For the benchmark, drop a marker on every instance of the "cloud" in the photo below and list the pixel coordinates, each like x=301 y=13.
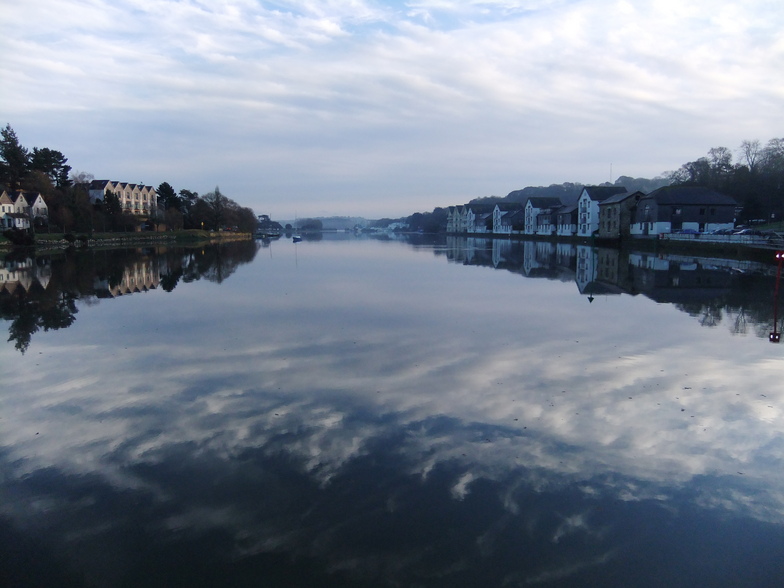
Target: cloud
x=369 y=106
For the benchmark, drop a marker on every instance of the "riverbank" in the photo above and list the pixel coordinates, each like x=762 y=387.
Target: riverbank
x=130 y=239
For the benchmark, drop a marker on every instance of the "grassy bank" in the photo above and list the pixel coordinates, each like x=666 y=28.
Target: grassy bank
x=193 y=236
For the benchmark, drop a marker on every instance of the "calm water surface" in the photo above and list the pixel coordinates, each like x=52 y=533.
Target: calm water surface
x=357 y=412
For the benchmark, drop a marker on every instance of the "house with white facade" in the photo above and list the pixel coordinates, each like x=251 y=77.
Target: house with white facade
x=452 y=219
x=534 y=206
x=588 y=207
x=6 y=204
x=504 y=217
x=19 y=210
x=36 y=207
x=467 y=219
x=566 y=221
x=135 y=199
x=546 y=222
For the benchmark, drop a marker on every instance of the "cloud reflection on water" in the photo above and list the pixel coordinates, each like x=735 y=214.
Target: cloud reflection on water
x=532 y=393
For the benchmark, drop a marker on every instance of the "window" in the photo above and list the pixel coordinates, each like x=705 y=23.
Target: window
x=702 y=211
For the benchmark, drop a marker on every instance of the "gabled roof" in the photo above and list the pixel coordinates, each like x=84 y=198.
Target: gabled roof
x=545 y=201
x=481 y=208
x=690 y=195
x=31 y=197
x=27 y=197
x=602 y=193
x=567 y=209
x=615 y=199
x=508 y=206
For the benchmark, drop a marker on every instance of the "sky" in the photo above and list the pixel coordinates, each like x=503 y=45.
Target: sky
x=385 y=108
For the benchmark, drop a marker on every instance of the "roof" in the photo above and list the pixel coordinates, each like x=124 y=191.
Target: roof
x=690 y=195
x=615 y=199
x=508 y=206
x=602 y=193
x=567 y=209
x=31 y=197
x=28 y=197
x=545 y=201
x=480 y=208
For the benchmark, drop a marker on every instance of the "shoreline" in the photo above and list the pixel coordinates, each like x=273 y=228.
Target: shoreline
x=50 y=241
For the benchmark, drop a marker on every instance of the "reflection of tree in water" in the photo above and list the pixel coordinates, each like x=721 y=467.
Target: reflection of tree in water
x=31 y=311
x=215 y=263
x=93 y=274
x=711 y=315
x=749 y=301
x=740 y=325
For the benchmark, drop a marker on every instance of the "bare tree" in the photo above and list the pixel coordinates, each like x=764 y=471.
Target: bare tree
x=750 y=152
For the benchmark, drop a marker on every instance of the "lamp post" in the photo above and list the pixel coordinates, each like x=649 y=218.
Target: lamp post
x=775 y=335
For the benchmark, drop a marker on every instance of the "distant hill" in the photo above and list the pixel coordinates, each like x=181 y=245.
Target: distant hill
x=569 y=192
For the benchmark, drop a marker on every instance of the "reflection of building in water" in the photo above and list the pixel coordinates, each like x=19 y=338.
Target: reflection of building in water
x=648 y=261
x=591 y=266
x=24 y=273
x=678 y=281
x=138 y=276
x=585 y=271
x=612 y=268
x=540 y=260
x=502 y=249
x=565 y=254
x=468 y=250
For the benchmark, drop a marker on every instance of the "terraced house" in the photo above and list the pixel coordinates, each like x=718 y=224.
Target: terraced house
x=134 y=198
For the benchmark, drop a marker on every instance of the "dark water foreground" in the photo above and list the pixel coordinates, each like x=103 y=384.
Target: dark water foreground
x=352 y=412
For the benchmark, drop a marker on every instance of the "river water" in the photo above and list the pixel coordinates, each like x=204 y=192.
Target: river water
x=411 y=411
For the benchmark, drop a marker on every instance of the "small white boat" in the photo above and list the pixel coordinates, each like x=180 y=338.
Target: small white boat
x=297 y=238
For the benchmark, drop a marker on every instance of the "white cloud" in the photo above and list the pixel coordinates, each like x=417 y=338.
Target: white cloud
x=442 y=101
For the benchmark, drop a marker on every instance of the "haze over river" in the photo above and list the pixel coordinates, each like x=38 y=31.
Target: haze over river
x=406 y=412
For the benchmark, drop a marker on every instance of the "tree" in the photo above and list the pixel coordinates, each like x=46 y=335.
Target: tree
x=187 y=200
x=14 y=159
x=53 y=164
x=750 y=151
x=80 y=178
x=167 y=197
x=217 y=205
x=200 y=215
x=246 y=220
x=311 y=224
x=173 y=219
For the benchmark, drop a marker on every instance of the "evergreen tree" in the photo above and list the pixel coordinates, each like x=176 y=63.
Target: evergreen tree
x=14 y=159
x=53 y=164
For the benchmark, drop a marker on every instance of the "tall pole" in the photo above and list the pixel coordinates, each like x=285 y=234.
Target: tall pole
x=775 y=336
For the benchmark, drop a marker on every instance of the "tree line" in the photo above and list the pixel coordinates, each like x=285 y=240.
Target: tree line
x=214 y=211
x=46 y=171
x=755 y=179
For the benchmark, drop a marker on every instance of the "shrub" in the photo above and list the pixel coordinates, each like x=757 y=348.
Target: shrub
x=19 y=237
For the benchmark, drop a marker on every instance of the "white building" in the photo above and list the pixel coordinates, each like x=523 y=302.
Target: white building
x=588 y=207
x=134 y=198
